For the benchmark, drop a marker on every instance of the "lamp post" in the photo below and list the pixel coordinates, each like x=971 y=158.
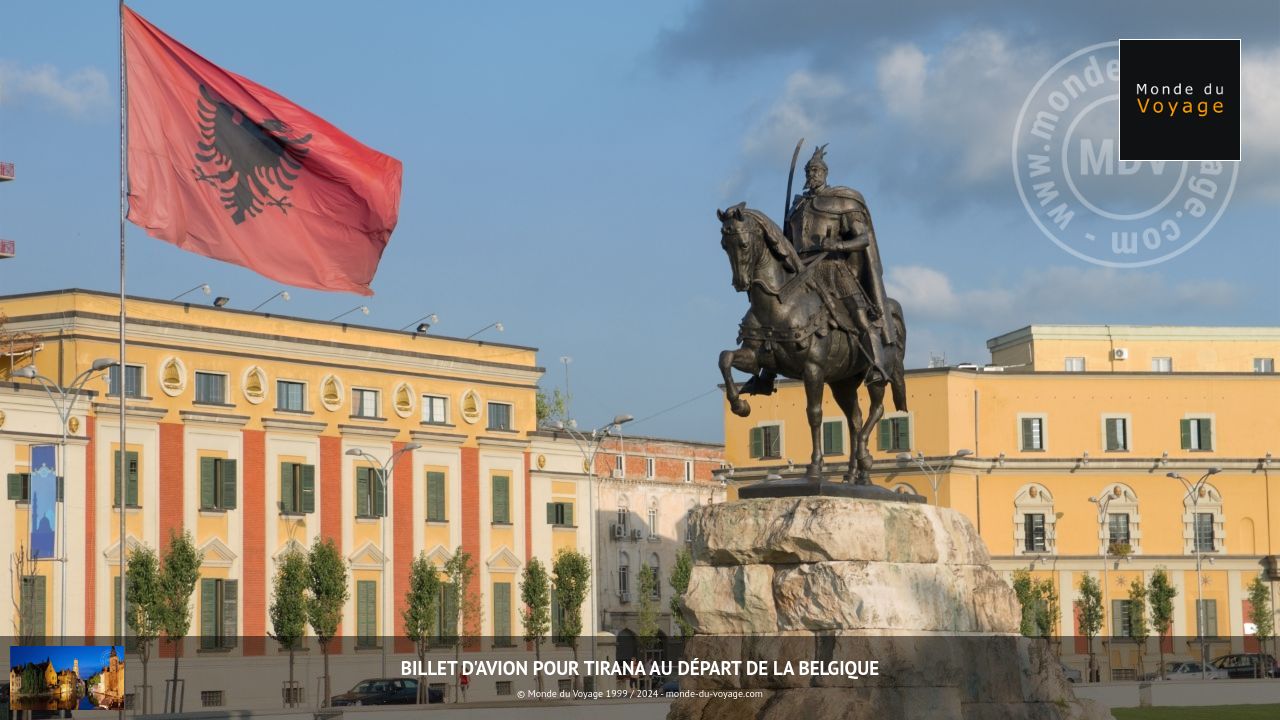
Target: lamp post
x=283 y=295
x=1102 y=504
x=202 y=286
x=589 y=459
x=382 y=470
x=934 y=474
x=64 y=401
x=1193 y=491
x=495 y=325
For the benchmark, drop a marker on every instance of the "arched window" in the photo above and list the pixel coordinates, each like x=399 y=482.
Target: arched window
x=624 y=576
x=653 y=518
x=1033 y=521
x=1202 y=522
x=1120 y=530
x=656 y=564
x=624 y=514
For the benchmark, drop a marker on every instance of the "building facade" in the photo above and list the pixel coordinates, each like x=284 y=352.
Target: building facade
x=260 y=434
x=1060 y=454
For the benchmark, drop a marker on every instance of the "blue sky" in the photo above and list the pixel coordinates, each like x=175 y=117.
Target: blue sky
x=563 y=162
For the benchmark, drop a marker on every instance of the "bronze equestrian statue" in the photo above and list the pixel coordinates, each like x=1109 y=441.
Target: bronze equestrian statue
x=818 y=314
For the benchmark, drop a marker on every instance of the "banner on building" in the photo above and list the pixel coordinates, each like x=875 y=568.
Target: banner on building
x=44 y=501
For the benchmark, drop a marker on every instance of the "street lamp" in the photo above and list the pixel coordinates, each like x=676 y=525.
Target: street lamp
x=382 y=470
x=934 y=474
x=361 y=308
x=495 y=325
x=424 y=323
x=589 y=458
x=202 y=286
x=64 y=401
x=283 y=295
x=1102 y=504
x=1193 y=491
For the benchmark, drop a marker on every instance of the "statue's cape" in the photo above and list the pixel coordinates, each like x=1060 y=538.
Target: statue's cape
x=839 y=200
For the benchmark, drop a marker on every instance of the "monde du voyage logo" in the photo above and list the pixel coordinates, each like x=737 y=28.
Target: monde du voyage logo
x=1130 y=162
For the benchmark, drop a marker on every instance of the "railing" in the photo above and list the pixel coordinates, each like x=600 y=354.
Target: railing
x=6 y=171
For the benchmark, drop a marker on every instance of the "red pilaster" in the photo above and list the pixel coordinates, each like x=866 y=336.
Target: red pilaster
x=172 y=479
x=253 y=504
x=331 y=505
x=402 y=539
x=470 y=460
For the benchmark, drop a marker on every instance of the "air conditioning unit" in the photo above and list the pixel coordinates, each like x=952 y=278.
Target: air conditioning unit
x=624 y=596
x=1120 y=354
x=636 y=534
x=618 y=474
x=1271 y=567
x=619 y=531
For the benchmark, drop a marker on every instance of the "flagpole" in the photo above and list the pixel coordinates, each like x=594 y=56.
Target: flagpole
x=121 y=374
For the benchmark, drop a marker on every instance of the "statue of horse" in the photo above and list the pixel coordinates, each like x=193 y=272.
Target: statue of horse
x=792 y=330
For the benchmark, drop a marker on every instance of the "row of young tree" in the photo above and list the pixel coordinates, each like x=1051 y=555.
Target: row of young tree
x=1150 y=609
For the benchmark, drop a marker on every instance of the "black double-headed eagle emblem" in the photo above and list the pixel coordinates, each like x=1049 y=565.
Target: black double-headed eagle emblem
x=245 y=159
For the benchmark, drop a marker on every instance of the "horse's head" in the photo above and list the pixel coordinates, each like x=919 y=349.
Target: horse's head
x=739 y=236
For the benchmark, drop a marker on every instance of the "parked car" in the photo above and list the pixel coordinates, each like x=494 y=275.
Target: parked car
x=1246 y=665
x=385 y=691
x=1187 y=670
x=1072 y=674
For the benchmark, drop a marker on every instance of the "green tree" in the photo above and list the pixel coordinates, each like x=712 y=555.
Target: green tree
x=571 y=578
x=288 y=609
x=420 y=610
x=647 y=612
x=465 y=608
x=553 y=406
x=145 y=609
x=1139 y=630
x=681 y=571
x=1160 y=595
x=535 y=593
x=1028 y=592
x=329 y=593
x=1090 y=605
x=179 y=573
x=1260 y=613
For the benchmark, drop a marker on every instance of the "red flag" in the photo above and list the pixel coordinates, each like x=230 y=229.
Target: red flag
x=223 y=167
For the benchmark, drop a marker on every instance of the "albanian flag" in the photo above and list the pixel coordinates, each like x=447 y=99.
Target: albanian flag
x=223 y=167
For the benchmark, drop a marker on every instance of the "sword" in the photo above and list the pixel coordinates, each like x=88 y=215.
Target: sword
x=786 y=208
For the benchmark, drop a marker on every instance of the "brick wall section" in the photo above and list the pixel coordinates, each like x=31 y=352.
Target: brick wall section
x=471 y=521
x=402 y=539
x=172 y=478
x=253 y=474
x=330 y=492
x=90 y=541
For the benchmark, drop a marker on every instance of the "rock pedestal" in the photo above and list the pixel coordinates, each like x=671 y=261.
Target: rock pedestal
x=835 y=580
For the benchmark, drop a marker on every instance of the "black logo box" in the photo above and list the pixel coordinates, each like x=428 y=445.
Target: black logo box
x=1187 y=68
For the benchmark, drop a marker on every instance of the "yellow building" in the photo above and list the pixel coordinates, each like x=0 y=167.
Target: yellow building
x=1056 y=462
x=258 y=434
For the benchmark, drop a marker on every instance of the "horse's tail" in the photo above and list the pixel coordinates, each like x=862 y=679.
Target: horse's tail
x=897 y=379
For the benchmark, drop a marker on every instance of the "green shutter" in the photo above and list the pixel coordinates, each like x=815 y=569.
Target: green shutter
x=883 y=439
x=15 y=486
x=1113 y=435
x=131 y=486
x=378 y=484
x=230 y=593
x=568 y=513
x=286 y=488
x=901 y=433
x=62 y=486
x=551 y=513
x=1028 y=434
x=502 y=613
x=832 y=438
x=208 y=613
x=1184 y=427
x=115 y=479
x=229 y=484
x=362 y=492
x=366 y=612
x=501 y=498
x=308 y=488
x=757 y=442
x=1206 y=433
x=208 y=483
x=435 y=496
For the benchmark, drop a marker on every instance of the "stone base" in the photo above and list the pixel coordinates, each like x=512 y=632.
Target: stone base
x=823 y=488
x=836 y=579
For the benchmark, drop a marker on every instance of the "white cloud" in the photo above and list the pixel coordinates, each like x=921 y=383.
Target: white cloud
x=901 y=75
x=76 y=93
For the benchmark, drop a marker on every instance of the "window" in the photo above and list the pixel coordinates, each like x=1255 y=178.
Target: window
x=364 y=403
x=371 y=493
x=502 y=687
x=833 y=437
x=1264 y=365
x=1196 y=433
x=1074 y=364
x=766 y=441
x=20 y=487
x=1032 y=434
x=1207 y=618
x=649 y=468
x=366 y=613
x=211 y=698
x=1034 y=532
x=1162 y=364
x=624 y=582
x=688 y=471
x=291 y=396
x=211 y=388
x=297 y=488
x=653 y=523
x=435 y=409
x=1120 y=618
x=1118 y=529
x=499 y=416
x=560 y=513
x=446 y=615
x=217 y=484
x=657 y=578
x=435 y=497
x=131 y=485
x=501 y=499
x=132 y=380
x=895 y=434
x=1205 y=541
x=32 y=609
x=619 y=465
x=218 y=613
x=1117 y=433
x=622 y=519
x=502 y=614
